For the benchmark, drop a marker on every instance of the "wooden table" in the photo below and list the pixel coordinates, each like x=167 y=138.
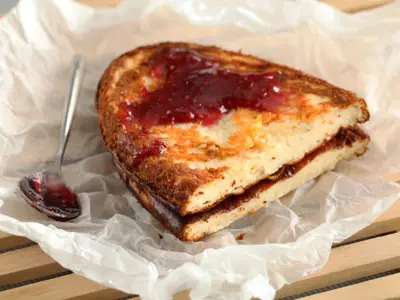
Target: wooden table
x=366 y=266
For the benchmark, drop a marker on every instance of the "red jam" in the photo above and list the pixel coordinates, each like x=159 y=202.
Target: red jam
x=197 y=89
x=156 y=148
x=57 y=197
x=60 y=197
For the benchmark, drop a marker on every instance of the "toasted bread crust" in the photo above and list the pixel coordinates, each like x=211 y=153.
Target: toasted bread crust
x=176 y=181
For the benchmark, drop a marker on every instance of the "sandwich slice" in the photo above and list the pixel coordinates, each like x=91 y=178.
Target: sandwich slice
x=198 y=126
x=347 y=144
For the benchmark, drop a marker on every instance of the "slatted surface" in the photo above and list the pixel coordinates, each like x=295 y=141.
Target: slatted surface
x=26 y=263
x=382 y=288
x=11 y=241
x=377 y=253
x=366 y=266
x=65 y=287
x=350 y=262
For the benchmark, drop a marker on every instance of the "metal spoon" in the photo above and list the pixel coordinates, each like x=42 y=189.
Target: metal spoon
x=46 y=191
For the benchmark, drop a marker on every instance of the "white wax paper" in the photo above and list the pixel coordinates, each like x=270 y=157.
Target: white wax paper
x=116 y=242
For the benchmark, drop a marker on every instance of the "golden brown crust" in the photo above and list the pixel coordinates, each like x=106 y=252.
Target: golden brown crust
x=176 y=181
x=177 y=224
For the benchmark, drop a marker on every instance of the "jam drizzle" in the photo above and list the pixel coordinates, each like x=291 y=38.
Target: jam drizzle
x=197 y=89
x=56 y=197
x=156 y=148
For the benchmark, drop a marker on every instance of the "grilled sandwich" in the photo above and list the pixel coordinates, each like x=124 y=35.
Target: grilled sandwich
x=198 y=125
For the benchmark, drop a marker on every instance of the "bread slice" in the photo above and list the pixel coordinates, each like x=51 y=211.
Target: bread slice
x=193 y=166
x=345 y=145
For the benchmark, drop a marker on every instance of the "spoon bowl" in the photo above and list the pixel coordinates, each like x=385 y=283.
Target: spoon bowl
x=47 y=192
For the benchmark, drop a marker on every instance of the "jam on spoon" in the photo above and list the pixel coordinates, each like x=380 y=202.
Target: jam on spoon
x=60 y=197
x=46 y=191
x=52 y=196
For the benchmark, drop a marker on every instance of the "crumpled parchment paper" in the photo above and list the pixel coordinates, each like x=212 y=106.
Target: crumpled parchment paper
x=116 y=242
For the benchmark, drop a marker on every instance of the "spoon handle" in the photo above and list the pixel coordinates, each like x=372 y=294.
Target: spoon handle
x=71 y=101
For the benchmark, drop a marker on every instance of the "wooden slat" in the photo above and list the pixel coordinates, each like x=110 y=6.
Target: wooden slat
x=355 y=5
x=26 y=263
x=389 y=221
x=351 y=262
x=178 y=296
x=101 y=3
x=184 y=295
x=66 y=287
x=382 y=288
x=393 y=176
x=10 y=241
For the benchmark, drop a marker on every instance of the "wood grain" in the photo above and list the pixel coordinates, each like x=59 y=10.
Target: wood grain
x=351 y=262
x=8 y=241
x=26 y=263
x=382 y=288
x=101 y=3
x=67 y=287
x=389 y=221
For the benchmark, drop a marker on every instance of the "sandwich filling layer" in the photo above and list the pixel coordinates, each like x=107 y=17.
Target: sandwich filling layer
x=346 y=144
